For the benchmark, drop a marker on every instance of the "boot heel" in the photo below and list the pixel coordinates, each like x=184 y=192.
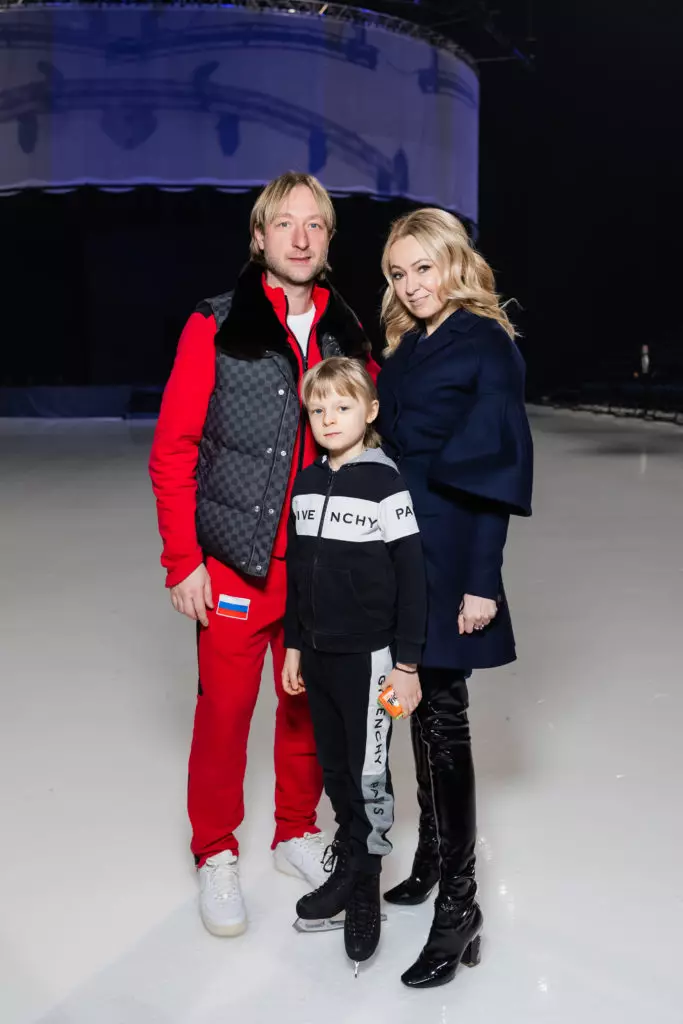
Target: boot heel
x=472 y=955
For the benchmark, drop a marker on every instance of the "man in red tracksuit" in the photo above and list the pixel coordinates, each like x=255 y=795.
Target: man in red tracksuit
x=229 y=442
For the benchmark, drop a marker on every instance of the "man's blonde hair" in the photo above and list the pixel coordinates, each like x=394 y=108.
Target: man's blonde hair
x=346 y=377
x=266 y=207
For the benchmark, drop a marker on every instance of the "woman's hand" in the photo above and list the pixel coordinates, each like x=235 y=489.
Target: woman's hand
x=476 y=613
x=406 y=687
x=292 y=681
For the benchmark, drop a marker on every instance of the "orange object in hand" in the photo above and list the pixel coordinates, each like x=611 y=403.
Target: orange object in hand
x=389 y=701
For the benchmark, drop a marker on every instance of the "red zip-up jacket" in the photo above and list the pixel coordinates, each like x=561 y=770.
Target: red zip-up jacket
x=175 y=449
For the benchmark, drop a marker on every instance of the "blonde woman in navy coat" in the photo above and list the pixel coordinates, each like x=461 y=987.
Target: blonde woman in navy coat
x=452 y=417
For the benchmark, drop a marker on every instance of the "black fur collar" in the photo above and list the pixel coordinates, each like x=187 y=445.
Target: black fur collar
x=252 y=328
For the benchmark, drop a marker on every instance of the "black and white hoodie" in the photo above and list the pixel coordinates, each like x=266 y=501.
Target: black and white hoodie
x=355 y=572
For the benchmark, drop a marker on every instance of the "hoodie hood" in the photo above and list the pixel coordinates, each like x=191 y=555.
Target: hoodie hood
x=371 y=455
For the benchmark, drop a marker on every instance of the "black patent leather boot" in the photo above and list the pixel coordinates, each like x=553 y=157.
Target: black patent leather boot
x=454 y=939
x=425 y=871
x=454 y=935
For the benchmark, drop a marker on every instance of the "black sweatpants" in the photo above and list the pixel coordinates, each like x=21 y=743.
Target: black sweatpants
x=352 y=733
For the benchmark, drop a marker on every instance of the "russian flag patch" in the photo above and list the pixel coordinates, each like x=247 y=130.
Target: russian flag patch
x=233 y=607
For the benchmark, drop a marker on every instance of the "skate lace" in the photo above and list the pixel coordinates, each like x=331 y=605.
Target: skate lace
x=362 y=915
x=224 y=881
x=330 y=857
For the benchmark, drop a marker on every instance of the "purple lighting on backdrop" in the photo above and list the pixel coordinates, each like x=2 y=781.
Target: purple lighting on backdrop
x=114 y=96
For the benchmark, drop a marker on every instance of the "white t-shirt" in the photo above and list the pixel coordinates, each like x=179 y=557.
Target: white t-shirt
x=300 y=326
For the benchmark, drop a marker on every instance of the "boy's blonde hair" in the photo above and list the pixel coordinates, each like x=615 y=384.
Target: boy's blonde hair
x=346 y=377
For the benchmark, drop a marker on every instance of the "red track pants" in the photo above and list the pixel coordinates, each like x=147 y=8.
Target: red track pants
x=231 y=656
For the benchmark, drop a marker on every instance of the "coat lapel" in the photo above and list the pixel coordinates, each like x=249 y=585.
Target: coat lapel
x=459 y=322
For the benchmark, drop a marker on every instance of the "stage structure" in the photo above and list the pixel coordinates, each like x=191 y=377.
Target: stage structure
x=229 y=96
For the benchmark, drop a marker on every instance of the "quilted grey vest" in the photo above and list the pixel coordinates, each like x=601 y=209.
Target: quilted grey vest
x=252 y=421
x=245 y=456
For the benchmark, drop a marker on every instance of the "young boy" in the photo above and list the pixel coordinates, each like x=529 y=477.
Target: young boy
x=354 y=625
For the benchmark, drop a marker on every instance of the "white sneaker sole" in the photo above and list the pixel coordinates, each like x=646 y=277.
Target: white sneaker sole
x=285 y=867
x=224 y=931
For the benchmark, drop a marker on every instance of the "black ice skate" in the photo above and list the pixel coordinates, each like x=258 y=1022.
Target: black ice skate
x=363 y=918
x=323 y=909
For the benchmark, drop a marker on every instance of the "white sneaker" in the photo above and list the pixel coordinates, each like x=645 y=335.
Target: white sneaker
x=303 y=858
x=220 y=898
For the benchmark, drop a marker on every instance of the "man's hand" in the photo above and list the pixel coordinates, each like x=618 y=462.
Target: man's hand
x=476 y=613
x=292 y=682
x=193 y=596
x=406 y=687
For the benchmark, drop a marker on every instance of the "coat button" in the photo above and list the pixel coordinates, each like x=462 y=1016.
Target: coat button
x=243 y=562
x=257 y=508
x=269 y=451
x=258 y=568
x=281 y=391
x=283 y=454
x=271 y=511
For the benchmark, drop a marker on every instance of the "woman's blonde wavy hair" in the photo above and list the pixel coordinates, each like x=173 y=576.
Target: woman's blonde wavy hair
x=467 y=279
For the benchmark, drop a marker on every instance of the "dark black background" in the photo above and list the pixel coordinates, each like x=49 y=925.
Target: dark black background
x=581 y=173
x=580 y=177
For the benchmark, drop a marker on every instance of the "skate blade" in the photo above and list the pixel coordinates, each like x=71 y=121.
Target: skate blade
x=358 y=964
x=325 y=924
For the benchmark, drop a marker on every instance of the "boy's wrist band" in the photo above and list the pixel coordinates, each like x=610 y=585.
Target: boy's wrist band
x=407 y=671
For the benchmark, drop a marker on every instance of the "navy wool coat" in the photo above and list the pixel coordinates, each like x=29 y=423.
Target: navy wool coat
x=452 y=417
